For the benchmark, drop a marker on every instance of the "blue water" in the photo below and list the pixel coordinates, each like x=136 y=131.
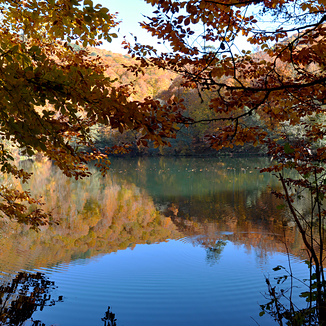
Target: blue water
x=173 y=215
x=165 y=284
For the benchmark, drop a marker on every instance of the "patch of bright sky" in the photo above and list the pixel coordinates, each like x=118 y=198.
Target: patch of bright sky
x=130 y=13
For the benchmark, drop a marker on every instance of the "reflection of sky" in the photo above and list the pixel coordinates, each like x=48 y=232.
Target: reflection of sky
x=164 y=284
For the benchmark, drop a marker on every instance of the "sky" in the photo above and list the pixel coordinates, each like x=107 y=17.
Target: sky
x=130 y=12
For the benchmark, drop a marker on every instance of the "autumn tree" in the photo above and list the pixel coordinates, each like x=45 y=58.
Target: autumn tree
x=282 y=83
x=53 y=92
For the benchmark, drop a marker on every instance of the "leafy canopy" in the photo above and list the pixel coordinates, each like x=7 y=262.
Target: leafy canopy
x=282 y=82
x=52 y=94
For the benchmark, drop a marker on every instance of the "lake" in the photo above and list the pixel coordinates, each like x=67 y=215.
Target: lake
x=161 y=241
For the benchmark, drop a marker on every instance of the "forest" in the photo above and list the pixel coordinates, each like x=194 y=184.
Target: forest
x=162 y=85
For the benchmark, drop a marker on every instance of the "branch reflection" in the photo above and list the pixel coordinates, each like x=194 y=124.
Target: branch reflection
x=22 y=296
x=109 y=318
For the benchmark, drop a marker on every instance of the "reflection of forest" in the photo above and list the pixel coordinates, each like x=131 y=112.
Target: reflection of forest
x=148 y=201
x=173 y=177
x=210 y=199
x=95 y=215
x=256 y=223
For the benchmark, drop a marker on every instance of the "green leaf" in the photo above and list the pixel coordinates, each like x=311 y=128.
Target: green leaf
x=34 y=49
x=87 y=19
x=262 y=313
x=14 y=48
x=280 y=206
x=104 y=10
x=88 y=2
x=288 y=149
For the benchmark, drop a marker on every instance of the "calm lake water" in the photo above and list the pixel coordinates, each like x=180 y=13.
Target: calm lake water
x=161 y=241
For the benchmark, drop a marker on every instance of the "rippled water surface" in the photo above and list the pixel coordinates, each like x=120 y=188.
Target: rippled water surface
x=160 y=241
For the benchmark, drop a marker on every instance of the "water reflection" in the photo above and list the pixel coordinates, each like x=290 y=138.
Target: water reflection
x=109 y=318
x=28 y=292
x=22 y=296
x=213 y=254
x=153 y=202
x=222 y=209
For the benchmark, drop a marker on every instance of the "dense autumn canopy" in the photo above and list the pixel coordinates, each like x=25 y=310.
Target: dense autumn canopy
x=281 y=83
x=53 y=93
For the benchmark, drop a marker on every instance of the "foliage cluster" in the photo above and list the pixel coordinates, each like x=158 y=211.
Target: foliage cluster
x=21 y=297
x=53 y=94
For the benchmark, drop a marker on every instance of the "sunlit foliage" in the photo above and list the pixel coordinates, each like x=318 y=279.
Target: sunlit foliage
x=53 y=92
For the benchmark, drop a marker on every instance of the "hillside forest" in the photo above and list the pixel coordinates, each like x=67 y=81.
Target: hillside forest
x=163 y=85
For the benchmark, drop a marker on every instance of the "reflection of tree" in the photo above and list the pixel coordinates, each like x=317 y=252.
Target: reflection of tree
x=169 y=178
x=26 y=293
x=259 y=228
x=20 y=298
x=203 y=197
x=213 y=254
x=109 y=318
x=96 y=215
